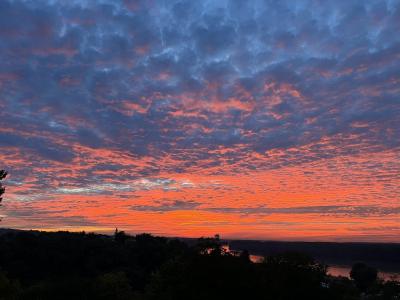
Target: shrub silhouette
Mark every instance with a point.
(364, 276)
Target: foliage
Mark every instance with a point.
(64, 265)
(209, 245)
(9, 289)
(3, 174)
(120, 236)
(364, 276)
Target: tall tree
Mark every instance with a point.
(3, 175)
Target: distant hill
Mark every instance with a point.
(8, 230)
(385, 256)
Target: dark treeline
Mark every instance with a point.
(64, 265)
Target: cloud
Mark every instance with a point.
(108, 76)
(323, 210)
(39, 146)
(175, 205)
(143, 184)
(336, 210)
(98, 95)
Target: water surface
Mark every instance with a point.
(344, 271)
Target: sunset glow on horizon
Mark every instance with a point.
(251, 119)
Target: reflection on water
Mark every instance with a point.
(333, 270)
(256, 258)
(253, 258)
(345, 272)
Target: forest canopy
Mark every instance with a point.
(65, 265)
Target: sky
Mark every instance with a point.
(251, 119)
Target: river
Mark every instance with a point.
(344, 270)
(334, 270)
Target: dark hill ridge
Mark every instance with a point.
(381, 255)
(385, 256)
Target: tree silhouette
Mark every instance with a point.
(120, 236)
(74, 265)
(364, 276)
(3, 175)
(209, 245)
